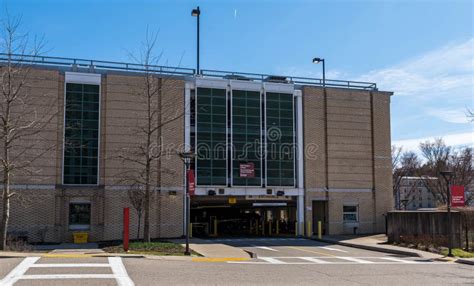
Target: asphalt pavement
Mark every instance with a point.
(279, 262)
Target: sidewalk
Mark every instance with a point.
(210, 249)
(376, 242)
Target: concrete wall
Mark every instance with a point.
(423, 226)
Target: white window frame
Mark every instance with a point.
(356, 213)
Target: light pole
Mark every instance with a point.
(187, 157)
(196, 13)
(317, 61)
(448, 176)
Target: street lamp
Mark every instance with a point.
(187, 157)
(317, 61)
(448, 176)
(196, 13)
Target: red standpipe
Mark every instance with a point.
(126, 228)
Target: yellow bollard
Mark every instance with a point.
(270, 228)
(296, 228)
(309, 230)
(278, 227)
(319, 229)
(190, 230)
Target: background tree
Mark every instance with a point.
(441, 157)
(148, 149)
(21, 121)
(404, 164)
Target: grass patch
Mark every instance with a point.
(458, 252)
(151, 248)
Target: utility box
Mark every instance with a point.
(80, 237)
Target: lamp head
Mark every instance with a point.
(196, 12)
(317, 60)
(187, 156)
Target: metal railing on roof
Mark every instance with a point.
(134, 67)
(290, 79)
(94, 64)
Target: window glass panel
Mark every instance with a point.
(211, 136)
(81, 134)
(79, 215)
(280, 139)
(246, 134)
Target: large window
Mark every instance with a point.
(211, 136)
(81, 134)
(79, 216)
(350, 213)
(280, 139)
(246, 137)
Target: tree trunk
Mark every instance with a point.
(5, 213)
(146, 227)
(139, 221)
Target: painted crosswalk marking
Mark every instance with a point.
(115, 263)
(285, 260)
(18, 271)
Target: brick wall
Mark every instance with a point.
(354, 158)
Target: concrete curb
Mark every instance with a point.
(464, 261)
(372, 248)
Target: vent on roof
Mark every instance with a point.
(276, 78)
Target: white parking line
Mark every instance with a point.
(315, 260)
(18, 271)
(265, 248)
(272, 260)
(332, 249)
(115, 263)
(331, 260)
(397, 260)
(362, 261)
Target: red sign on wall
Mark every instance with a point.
(247, 170)
(191, 182)
(457, 196)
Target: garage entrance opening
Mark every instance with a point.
(237, 216)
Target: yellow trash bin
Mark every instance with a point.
(80, 237)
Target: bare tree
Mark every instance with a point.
(148, 150)
(436, 154)
(137, 197)
(470, 115)
(440, 157)
(403, 164)
(21, 120)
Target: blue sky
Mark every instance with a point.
(422, 50)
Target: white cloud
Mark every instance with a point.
(456, 115)
(447, 71)
(455, 140)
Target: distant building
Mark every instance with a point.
(414, 194)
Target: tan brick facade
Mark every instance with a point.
(352, 162)
(41, 209)
(347, 160)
